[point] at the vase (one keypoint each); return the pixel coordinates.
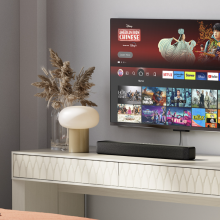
(59, 134)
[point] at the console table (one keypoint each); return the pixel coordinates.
(55, 182)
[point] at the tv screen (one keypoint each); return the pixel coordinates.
(165, 73)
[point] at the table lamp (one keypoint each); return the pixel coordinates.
(78, 119)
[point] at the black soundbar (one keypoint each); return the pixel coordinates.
(146, 150)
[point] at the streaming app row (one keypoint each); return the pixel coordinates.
(212, 76)
(168, 74)
(169, 97)
(161, 115)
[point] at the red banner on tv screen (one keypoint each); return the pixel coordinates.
(129, 35)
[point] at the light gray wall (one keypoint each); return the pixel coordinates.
(79, 31)
(23, 50)
(9, 94)
(33, 55)
(109, 208)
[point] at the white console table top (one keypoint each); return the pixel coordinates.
(190, 182)
(201, 161)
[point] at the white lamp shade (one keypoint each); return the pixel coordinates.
(78, 117)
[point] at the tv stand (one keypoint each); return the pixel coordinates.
(52, 181)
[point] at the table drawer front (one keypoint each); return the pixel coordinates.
(175, 179)
(65, 170)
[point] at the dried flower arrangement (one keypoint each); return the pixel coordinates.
(57, 86)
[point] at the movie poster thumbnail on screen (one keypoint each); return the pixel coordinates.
(211, 118)
(204, 117)
(129, 113)
(218, 118)
(154, 114)
(204, 98)
(154, 96)
(218, 99)
(180, 116)
(179, 97)
(129, 95)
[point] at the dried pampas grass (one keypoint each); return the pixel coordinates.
(57, 86)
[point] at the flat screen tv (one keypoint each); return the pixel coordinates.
(165, 73)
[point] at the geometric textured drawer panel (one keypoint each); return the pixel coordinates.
(65, 170)
(175, 179)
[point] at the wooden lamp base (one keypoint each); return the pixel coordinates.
(79, 140)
